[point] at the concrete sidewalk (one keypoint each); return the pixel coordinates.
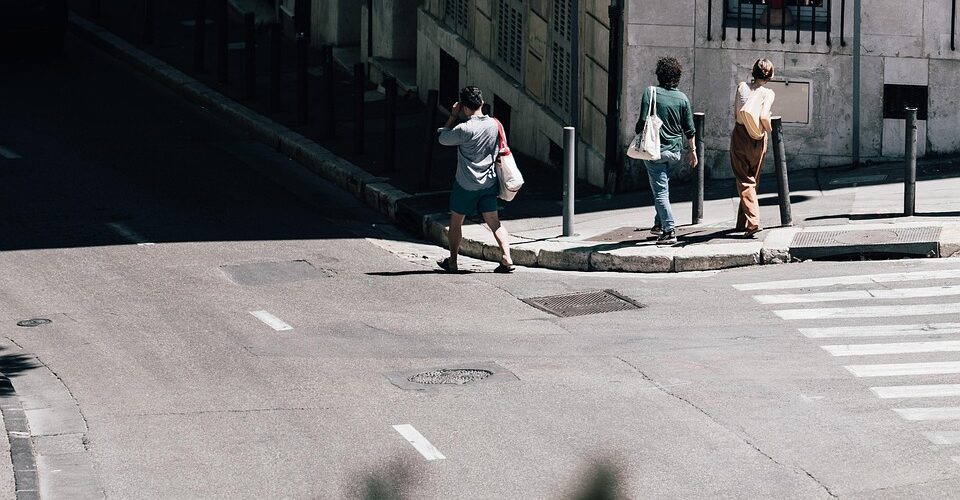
(836, 211)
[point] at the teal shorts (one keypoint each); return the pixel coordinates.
(469, 203)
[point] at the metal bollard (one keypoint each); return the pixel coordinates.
(433, 100)
(359, 89)
(250, 53)
(328, 92)
(149, 21)
(390, 123)
(276, 38)
(780, 161)
(698, 121)
(569, 177)
(303, 82)
(910, 163)
(95, 8)
(200, 36)
(222, 41)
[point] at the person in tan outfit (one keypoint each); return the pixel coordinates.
(747, 152)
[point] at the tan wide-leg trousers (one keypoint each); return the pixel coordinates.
(746, 158)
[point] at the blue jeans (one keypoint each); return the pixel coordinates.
(659, 174)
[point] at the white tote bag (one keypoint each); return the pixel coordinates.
(646, 145)
(508, 174)
(749, 115)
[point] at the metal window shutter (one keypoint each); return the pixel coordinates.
(561, 25)
(456, 15)
(510, 36)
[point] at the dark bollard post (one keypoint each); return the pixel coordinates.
(359, 89)
(780, 161)
(276, 38)
(910, 164)
(433, 100)
(222, 41)
(390, 123)
(149, 21)
(95, 8)
(250, 53)
(303, 83)
(698, 121)
(200, 35)
(328, 94)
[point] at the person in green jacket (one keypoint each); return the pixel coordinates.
(673, 107)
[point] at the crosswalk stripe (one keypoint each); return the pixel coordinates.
(869, 311)
(901, 369)
(881, 330)
(892, 348)
(9, 154)
(901, 293)
(271, 321)
(943, 437)
(129, 234)
(918, 414)
(850, 280)
(419, 442)
(917, 391)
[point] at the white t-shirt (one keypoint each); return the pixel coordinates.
(744, 91)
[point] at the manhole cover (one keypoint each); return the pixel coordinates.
(273, 273)
(455, 377)
(582, 303)
(918, 241)
(30, 323)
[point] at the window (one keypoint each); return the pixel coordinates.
(560, 56)
(794, 15)
(456, 15)
(510, 37)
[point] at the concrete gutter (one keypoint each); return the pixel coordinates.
(551, 253)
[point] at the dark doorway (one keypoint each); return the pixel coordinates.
(502, 112)
(449, 80)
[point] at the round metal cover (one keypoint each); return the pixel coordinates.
(866, 237)
(34, 322)
(454, 377)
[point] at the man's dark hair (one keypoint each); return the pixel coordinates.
(668, 72)
(471, 97)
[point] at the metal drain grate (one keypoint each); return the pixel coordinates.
(453, 377)
(582, 303)
(919, 241)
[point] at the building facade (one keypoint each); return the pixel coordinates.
(526, 55)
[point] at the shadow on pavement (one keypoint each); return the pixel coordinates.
(12, 365)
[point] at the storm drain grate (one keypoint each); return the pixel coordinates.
(582, 303)
(30, 323)
(920, 241)
(454, 377)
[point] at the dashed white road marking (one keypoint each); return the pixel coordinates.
(869, 311)
(129, 234)
(902, 369)
(918, 414)
(271, 321)
(419, 442)
(917, 391)
(881, 330)
(892, 348)
(9, 154)
(850, 280)
(943, 437)
(898, 293)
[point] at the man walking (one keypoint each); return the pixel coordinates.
(475, 188)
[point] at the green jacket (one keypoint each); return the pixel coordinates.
(673, 108)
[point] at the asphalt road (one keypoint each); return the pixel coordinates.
(231, 328)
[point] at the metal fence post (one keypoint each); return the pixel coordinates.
(250, 51)
(433, 100)
(149, 21)
(329, 97)
(276, 38)
(222, 41)
(569, 177)
(359, 89)
(780, 161)
(910, 163)
(303, 82)
(199, 35)
(698, 121)
(390, 123)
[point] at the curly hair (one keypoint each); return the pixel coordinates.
(762, 69)
(669, 70)
(471, 97)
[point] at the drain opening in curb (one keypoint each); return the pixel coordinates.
(451, 377)
(30, 323)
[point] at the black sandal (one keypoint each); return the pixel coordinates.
(504, 269)
(445, 265)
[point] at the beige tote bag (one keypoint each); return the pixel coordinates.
(749, 114)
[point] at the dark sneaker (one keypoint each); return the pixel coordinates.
(667, 238)
(656, 230)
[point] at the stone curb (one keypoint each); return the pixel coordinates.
(389, 201)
